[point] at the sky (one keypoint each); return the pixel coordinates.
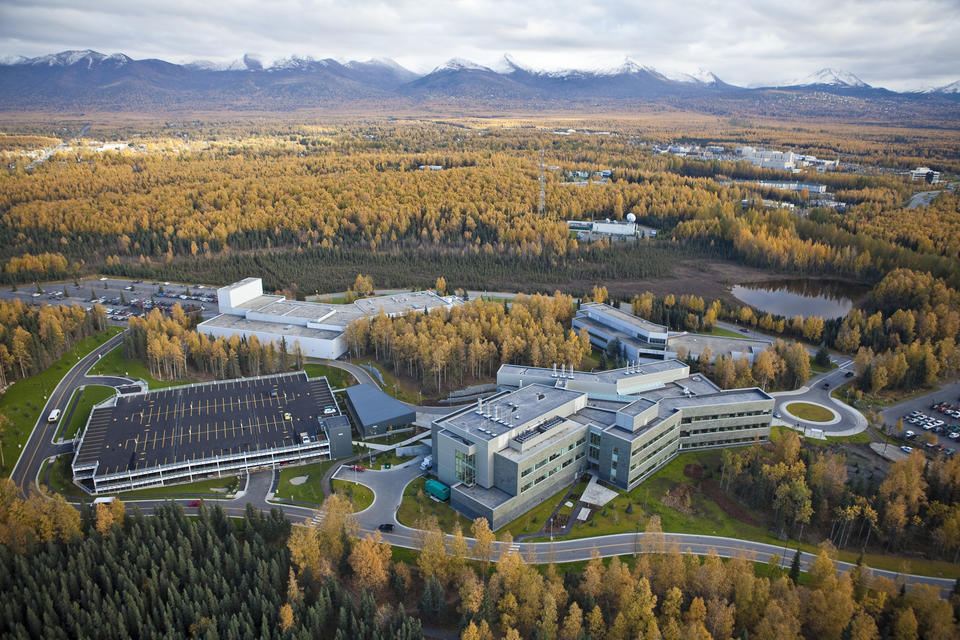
(899, 44)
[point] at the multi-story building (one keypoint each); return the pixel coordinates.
(545, 427)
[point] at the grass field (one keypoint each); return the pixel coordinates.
(338, 378)
(535, 519)
(310, 491)
(115, 364)
(811, 412)
(417, 504)
(393, 385)
(82, 403)
(24, 400)
(724, 333)
(388, 457)
(360, 496)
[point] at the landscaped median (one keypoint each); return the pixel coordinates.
(810, 412)
(303, 485)
(23, 401)
(78, 409)
(417, 506)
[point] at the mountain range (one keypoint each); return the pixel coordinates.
(92, 81)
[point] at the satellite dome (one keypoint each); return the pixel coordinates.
(631, 217)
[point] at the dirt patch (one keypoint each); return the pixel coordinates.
(696, 276)
(678, 498)
(693, 470)
(713, 491)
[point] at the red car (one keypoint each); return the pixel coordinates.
(194, 503)
(356, 467)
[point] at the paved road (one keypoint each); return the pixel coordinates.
(847, 420)
(40, 445)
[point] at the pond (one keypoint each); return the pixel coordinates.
(801, 297)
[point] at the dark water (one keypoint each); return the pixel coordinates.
(801, 297)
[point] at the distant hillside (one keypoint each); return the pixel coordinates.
(92, 81)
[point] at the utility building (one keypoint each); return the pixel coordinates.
(374, 412)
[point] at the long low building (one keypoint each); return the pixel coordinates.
(317, 327)
(508, 453)
(640, 338)
(182, 434)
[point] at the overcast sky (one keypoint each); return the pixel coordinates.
(899, 44)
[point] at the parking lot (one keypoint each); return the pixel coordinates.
(122, 298)
(145, 430)
(941, 418)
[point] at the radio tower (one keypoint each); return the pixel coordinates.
(542, 196)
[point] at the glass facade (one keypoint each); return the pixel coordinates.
(465, 468)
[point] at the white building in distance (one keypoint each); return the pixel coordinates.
(317, 326)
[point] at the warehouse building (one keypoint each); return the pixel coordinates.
(182, 434)
(316, 326)
(374, 412)
(508, 453)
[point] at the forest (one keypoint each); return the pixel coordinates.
(217, 577)
(215, 191)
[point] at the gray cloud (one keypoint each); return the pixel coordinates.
(887, 43)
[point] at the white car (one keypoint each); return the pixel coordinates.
(906, 449)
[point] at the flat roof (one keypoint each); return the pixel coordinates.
(732, 396)
(197, 422)
(372, 406)
(239, 323)
(236, 285)
(623, 316)
(516, 408)
(647, 366)
(624, 337)
(696, 342)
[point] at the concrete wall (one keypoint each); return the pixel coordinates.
(228, 298)
(312, 347)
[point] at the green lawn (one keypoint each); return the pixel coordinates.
(338, 378)
(310, 491)
(115, 364)
(387, 457)
(359, 495)
(417, 504)
(392, 385)
(23, 401)
(534, 520)
(82, 403)
(61, 481)
(820, 368)
(724, 333)
(811, 412)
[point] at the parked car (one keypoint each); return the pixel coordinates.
(906, 449)
(194, 503)
(357, 467)
(386, 527)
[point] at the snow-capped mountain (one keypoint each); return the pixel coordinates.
(949, 89)
(86, 58)
(700, 76)
(460, 64)
(831, 78)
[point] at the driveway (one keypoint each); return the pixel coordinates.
(817, 391)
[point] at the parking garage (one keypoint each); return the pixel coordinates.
(184, 433)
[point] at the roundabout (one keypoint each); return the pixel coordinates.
(811, 412)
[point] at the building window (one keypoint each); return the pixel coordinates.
(465, 467)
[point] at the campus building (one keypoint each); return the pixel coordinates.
(316, 326)
(639, 338)
(182, 434)
(546, 427)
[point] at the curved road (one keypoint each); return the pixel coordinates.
(388, 489)
(40, 445)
